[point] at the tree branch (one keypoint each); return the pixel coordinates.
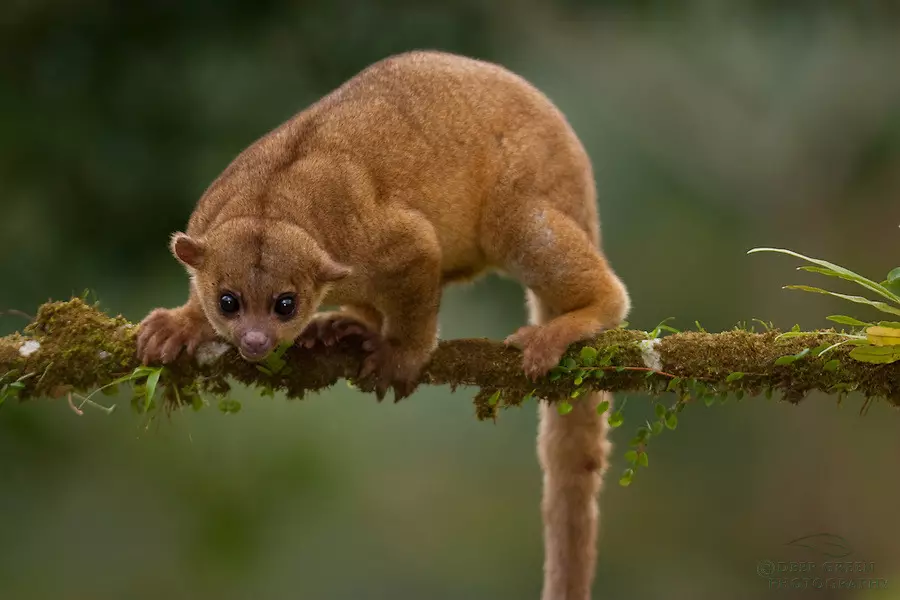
(74, 347)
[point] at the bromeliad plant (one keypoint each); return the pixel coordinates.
(876, 342)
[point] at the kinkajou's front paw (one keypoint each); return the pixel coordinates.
(165, 332)
(331, 327)
(394, 366)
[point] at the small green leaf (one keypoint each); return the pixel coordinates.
(796, 328)
(577, 392)
(281, 349)
(894, 276)
(657, 428)
(603, 407)
(663, 327)
(890, 324)
(620, 369)
(790, 358)
(734, 376)
(845, 320)
(599, 374)
(228, 406)
(152, 380)
(766, 326)
(606, 358)
(631, 456)
(625, 479)
(579, 380)
(709, 400)
(820, 349)
(563, 407)
(588, 356)
(141, 372)
(832, 365)
(616, 419)
(793, 334)
(495, 397)
(569, 363)
(699, 327)
(672, 421)
(660, 410)
(529, 395)
(643, 460)
(739, 394)
(876, 354)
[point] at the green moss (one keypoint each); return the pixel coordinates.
(9, 351)
(73, 335)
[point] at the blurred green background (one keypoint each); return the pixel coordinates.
(714, 127)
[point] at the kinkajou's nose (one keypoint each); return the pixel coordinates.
(255, 344)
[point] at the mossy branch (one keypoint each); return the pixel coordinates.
(74, 347)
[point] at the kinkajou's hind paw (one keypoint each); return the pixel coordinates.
(541, 352)
(393, 367)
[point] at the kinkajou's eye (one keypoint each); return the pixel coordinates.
(285, 305)
(228, 304)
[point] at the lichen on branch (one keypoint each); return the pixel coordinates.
(74, 347)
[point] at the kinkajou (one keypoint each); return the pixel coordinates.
(424, 169)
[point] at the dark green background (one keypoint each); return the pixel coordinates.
(714, 127)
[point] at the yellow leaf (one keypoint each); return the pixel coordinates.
(883, 336)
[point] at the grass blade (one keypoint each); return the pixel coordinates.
(845, 320)
(152, 380)
(837, 271)
(882, 306)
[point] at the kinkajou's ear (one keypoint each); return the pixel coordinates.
(331, 270)
(187, 250)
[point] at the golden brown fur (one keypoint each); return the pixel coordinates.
(424, 169)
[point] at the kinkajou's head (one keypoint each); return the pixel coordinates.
(259, 282)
